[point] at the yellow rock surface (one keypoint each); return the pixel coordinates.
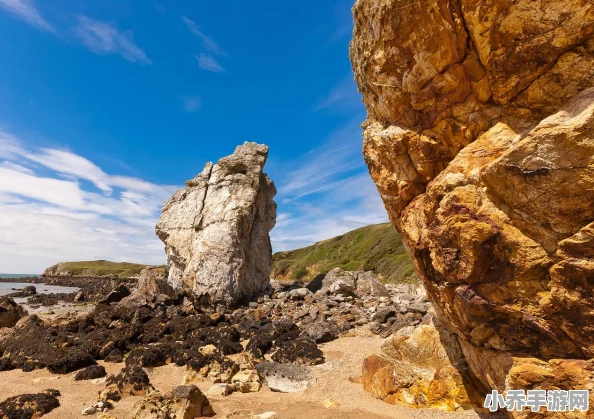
(480, 139)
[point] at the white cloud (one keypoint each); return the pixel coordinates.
(192, 103)
(26, 10)
(209, 63)
(207, 42)
(15, 167)
(48, 218)
(103, 38)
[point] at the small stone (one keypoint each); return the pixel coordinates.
(247, 381)
(208, 350)
(383, 314)
(374, 327)
(220, 390)
(330, 404)
(89, 411)
(420, 308)
(299, 293)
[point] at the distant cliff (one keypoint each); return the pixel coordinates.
(95, 268)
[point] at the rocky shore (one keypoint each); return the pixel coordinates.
(274, 342)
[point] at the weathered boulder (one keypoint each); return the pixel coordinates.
(28, 291)
(10, 312)
(480, 139)
(216, 230)
(425, 368)
(152, 289)
(117, 295)
(322, 331)
(286, 378)
(184, 402)
(355, 283)
(247, 381)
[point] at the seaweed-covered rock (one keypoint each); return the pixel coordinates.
(29, 406)
(90, 373)
(302, 350)
(131, 381)
(10, 312)
(68, 361)
(148, 356)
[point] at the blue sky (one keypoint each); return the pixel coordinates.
(108, 107)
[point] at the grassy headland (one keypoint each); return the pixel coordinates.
(95, 268)
(375, 248)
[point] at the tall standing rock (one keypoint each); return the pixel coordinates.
(480, 139)
(216, 230)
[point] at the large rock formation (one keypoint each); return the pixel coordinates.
(423, 367)
(216, 229)
(480, 139)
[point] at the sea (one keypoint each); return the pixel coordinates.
(10, 287)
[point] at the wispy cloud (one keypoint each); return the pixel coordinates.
(326, 166)
(206, 60)
(103, 38)
(207, 42)
(50, 214)
(26, 10)
(343, 96)
(191, 103)
(326, 192)
(209, 63)
(354, 204)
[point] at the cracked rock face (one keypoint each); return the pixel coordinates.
(480, 139)
(216, 230)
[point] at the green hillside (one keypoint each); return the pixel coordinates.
(375, 248)
(95, 268)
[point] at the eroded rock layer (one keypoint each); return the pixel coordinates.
(216, 229)
(480, 139)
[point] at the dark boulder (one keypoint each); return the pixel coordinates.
(117, 295)
(90, 373)
(322, 332)
(30, 406)
(303, 351)
(10, 312)
(68, 361)
(149, 356)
